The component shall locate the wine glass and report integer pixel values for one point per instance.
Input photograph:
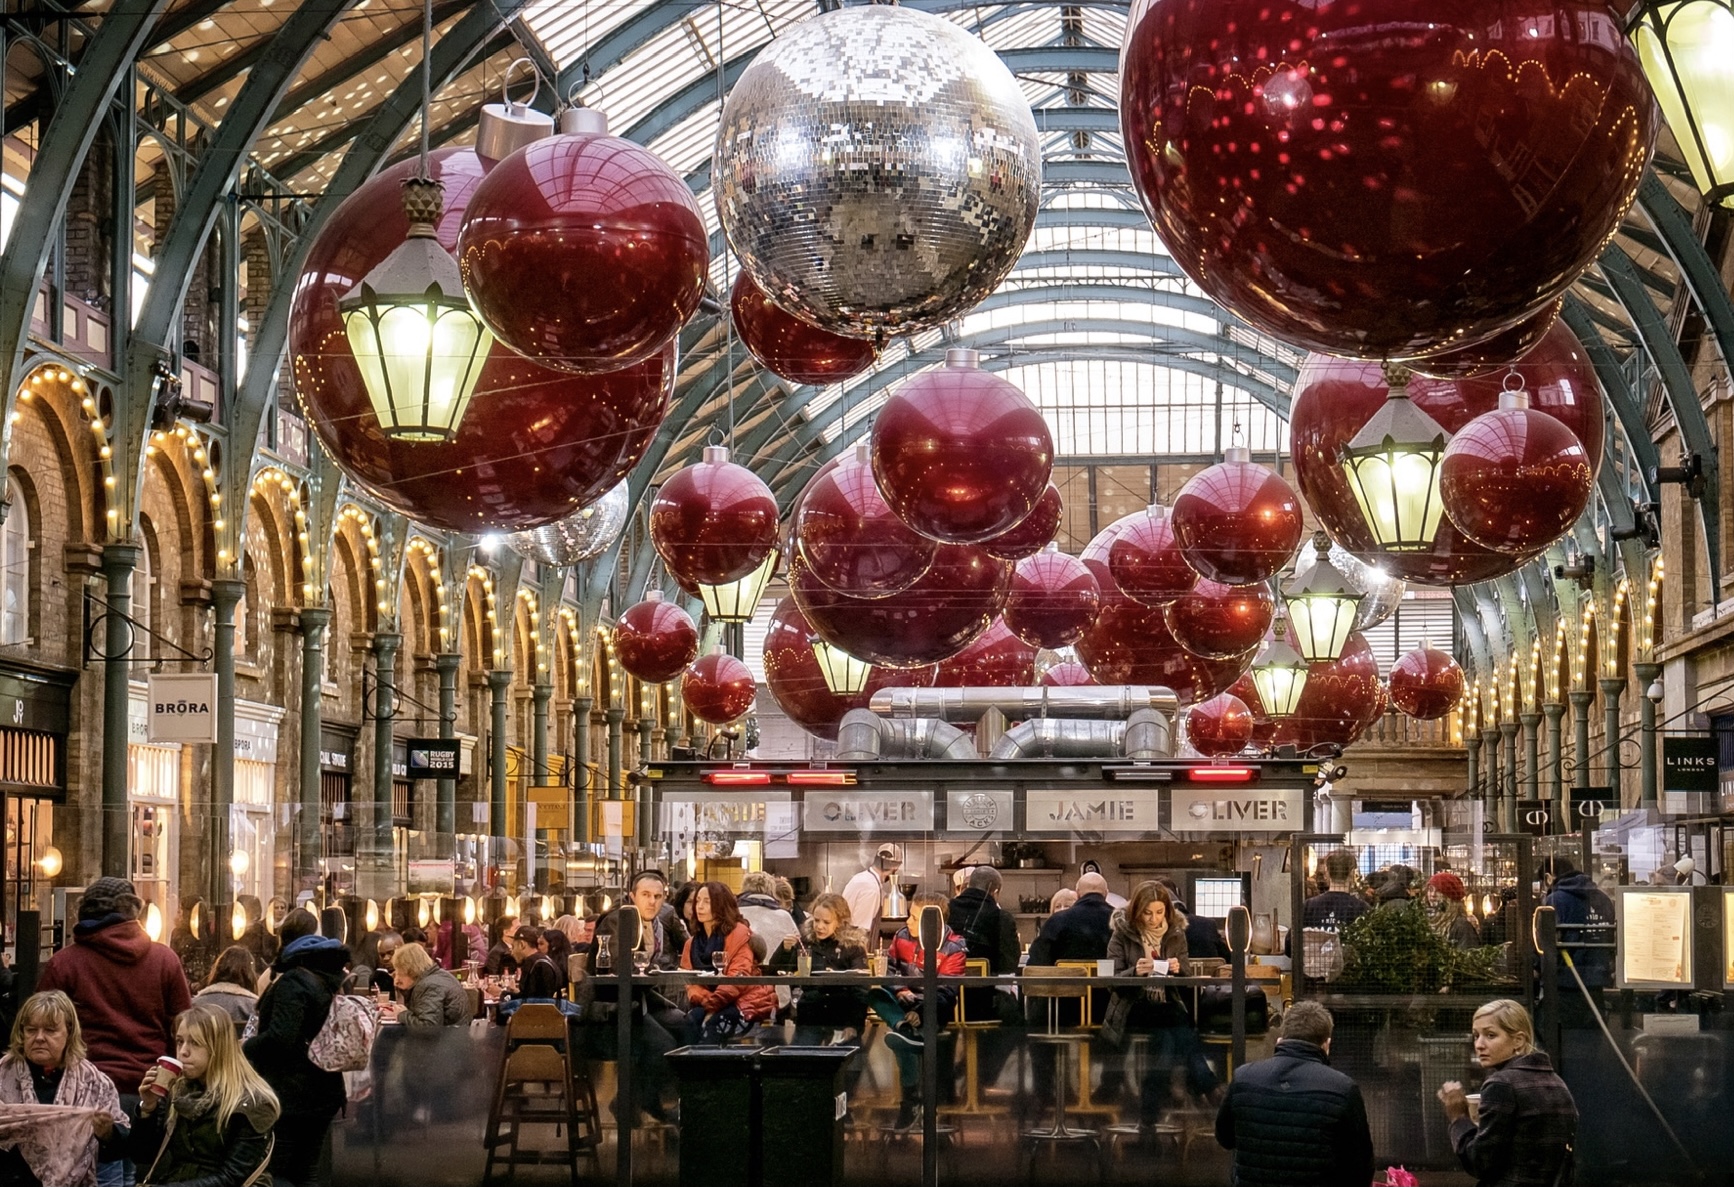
(640, 961)
(720, 962)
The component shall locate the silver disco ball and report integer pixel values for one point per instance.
(579, 536)
(877, 170)
(1382, 591)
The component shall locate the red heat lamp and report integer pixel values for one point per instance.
(1221, 774)
(738, 777)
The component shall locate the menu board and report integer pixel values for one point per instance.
(1655, 938)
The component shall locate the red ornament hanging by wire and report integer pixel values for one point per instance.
(1145, 559)
(850, 539)
(1034, 532)
(1067, 674)
(787, 346)
(952, 604)
(1220, 727)
(796, 682)
(1426, 683)
(655, 640)
(1053, 599)
(997, 659)
(718, 688)
(1221, 621)
(715, 522)
(1515, 480)
(1237, 522)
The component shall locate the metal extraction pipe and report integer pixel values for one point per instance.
(1144, 736)
(864, 734)
(1101, 702)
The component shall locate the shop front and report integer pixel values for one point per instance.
(154, 775)
(253, 826)
(35, 720)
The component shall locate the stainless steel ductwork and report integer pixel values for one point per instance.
(1144, 736)
(1104, 702)
(864, 735)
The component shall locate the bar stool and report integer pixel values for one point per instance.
(537, 1086)
(1065, 1043)
(970, 1030)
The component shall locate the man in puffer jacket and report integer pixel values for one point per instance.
(1293, 1120)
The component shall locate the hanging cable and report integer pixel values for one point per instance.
(426, 79)
(724, 297)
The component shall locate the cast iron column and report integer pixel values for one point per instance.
(539, 698)
(226, 594)
(1489, 789)
(447, 663)
(1531, 754)
(616, 717)
(385, 708)
(1581, 700)
(1554, 711)
(1647, 674)
(1508, 784)
(1472, 749)
(646, 727)
(311, 622)
(498, 684)
(583, 786)
(118, 563)
(1612, 687)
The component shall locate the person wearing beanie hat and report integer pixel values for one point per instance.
(1445, 911)
(127, 990)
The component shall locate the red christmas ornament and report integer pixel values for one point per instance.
(655, 640)
(1034, 533)
(1380, 707)
(1220, 727)
(1053, 599)
(1515, 480)
(998, 659)
(1335, 397)
(1237, 522)
(954, 602)
(1493, 355)
(850, 539)
(1221, 621)
(1339, 699)
(795, 681)
(584, 251)
(1131, 644)
(1146, 562)
(961, 455)
(1333, 185)
(1426, 683)
(534, 446)
(714, 522)
(1069, 674)
(1263, 726)
(1097, 552)
(787, 346)
(718, 688)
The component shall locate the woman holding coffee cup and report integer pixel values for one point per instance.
(1148, 939)
(46, 1065)
(223, 1110)
(1525, 1126)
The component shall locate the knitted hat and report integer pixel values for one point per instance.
(1447, 884)
(109, 896)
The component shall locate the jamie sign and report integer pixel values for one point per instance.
(183, 707)
(1119, 810)
(868, 812)
(1260, 810)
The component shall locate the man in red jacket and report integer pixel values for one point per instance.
(128, 991)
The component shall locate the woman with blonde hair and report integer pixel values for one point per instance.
(832, 945)
(430, 997)
(223, 1111)
(46, 1065)
(1526, 1127)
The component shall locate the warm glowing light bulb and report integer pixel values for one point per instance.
(51, 862)
(371, 916)
(239, 863)
(153, 923)
(237, 921)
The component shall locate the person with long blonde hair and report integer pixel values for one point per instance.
(223, 1111)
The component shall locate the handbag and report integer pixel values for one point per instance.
(1115, 1018)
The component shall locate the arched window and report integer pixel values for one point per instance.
(15, 545)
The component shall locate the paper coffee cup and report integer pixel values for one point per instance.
(1474, 1099)
(169, 1070)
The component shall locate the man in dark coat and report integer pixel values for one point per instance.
(1293, 1120)
(1585, 916)
(1081, 931)
(309, 973)
(992, 935)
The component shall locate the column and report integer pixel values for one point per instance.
(446, 663)
(1508, 784)
(385, 709)
(1531, 754)
(539, 698)
(1581, 700)
(1555, 712)
(583, 786)
(118, 563)
(1472, 749)
(1647, 674)
(646, 727)
(499, 683)
(616, 717)
(1489, 789)
(1612, 687)
(226, 594)
(312, 622)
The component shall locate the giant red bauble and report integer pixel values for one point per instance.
(655, 640)
(1068, 674)
(1263, 727)
(961, 455)
(998, 659)
(1219, 727)
(1236, 522)
(584, 252)
(1145, 559)
(1034, 532)
(954, 602)
(1340, 698)
(850, 539)
(787, 346)
(1361, 179)
(714, 522)
(1515, 480)
(795, 681)
(718, 688)
(1334, 398)
(1426, 683)
(1131, 644)
(1053, 599)
(1217, 621)
(535, 444)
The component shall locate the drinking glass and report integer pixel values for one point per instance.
(604, 960)
(640, 961)
(719, 961)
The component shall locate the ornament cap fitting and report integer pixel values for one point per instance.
(716, 455)
(863, 452)
(1156, 511)
(1051, 546)
(654, 595)
(503, 128)
(1237, 453)
(961, 358)
(1514, 400)
(583, 121)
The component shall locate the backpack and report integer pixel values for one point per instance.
(344, 1043)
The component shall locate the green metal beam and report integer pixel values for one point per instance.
(1697, 269)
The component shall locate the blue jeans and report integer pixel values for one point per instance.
(121, 1172)
(719, 1027)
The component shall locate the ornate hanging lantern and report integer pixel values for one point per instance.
(418, 344)
(1279, 673)
(1322, 604)
(738, 600)
(844, 674)
(1684, 47)
(1392, 466)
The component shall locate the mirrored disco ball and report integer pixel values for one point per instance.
(579, 536)
(877, 170)
(1382, 590)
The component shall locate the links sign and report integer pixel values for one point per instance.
(182, 707)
